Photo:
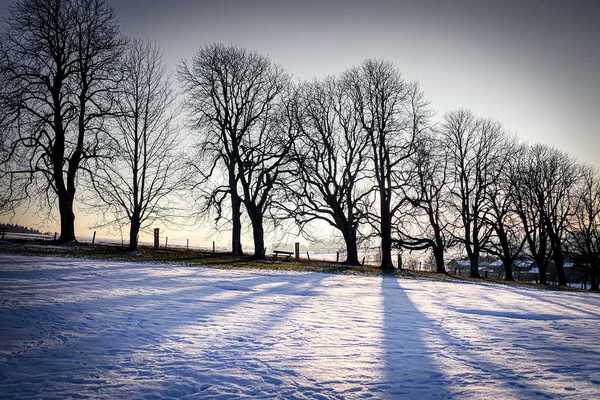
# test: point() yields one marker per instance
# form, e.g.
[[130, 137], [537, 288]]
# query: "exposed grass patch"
[[227, 261], [175, 255]]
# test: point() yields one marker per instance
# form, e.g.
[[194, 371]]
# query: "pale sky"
[[533, 65]]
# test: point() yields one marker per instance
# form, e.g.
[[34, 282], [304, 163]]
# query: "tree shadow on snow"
[[410, 371], [92, 336]]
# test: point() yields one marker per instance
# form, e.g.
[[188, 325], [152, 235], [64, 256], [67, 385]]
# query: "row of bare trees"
[[85, 110], [513, 200], [307, 152], [360, 153]]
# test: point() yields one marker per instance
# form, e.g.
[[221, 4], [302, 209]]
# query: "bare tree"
[[528, 205], [473, 146], [552, 179], [14, 185], [391, 113], [58, 62], [144, 170], [231, 94], [426, 222], [549, 182], [264, 161], [584, 229], [544, 181], [562, 179], [506, 239], [328, 158]]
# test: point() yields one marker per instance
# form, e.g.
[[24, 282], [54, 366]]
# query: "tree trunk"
[[67, 218], [236, 230], [438, 255], [474, 265], [508, 270], [350, 231], [258, 234], [351, 247], [386, 247], [507, 259], [559, 265], [386, 237], [594, 281], [134, 231], [542, 272]]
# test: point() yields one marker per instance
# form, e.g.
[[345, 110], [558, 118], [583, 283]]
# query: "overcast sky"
[[533, 65]]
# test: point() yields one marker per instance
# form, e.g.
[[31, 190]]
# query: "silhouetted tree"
[[4, 227], [473, 146], [426, 222], [559, 178], [506, 239], [546, 181], [58, 61], [263, 161], [328, 160], [233, 96], [529, 204], [391, 113], [144, 168], [584, 229]]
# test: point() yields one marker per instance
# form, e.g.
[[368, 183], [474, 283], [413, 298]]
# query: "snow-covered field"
[[94, 329]]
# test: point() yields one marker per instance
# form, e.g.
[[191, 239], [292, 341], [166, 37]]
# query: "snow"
[[97, 329]]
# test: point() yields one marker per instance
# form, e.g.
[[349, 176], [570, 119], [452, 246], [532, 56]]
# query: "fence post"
[[94, 237], [399, 260], [187, 244], [297, 250], [308, 256], [337, 256], [54, 236], [166, 242], [156, 238], [213, 247]]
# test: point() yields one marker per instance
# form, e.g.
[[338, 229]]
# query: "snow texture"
[[97, 329]]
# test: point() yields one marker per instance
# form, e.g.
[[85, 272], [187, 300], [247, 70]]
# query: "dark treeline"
[[89, 114], [16, 228]]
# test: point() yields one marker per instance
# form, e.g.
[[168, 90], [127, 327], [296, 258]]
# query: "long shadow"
[[488, 372], [537, 338], [239, 364], [411, 364], [124, 274], [193, 292], [125, 281], [120, 344], [410, 371], [518, 315], [151, 364], [572, 353], [531, 293], [63, 269]]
